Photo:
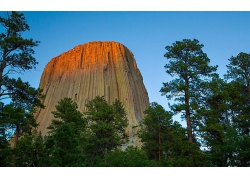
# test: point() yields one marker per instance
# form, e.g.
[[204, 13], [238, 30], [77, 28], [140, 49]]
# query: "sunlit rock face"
[[97, 68]]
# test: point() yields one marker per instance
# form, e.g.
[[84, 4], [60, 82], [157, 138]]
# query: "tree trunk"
[[16, 135], [187, 111], [2, 67], [1, 79], [189, 126], [159, 153]]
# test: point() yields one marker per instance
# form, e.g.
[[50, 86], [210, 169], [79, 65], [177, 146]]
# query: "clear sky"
[[223, 34]]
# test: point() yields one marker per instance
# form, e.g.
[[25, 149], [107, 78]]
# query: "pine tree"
[[238, 74], [225, 116], [16, 54], [30, 151], [105, 129], [67, 113], [165, 141], [63, 148], [17, 119], [190, 65], [155, 131], [65, 141], [215, 117]]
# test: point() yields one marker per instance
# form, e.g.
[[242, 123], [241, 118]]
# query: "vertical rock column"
[[97, 68]]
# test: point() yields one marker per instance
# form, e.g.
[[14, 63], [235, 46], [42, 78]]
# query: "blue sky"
[[223, 34]]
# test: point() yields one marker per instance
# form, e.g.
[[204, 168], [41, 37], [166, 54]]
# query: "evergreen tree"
[[154, 131], [67, 113], [215, 115], [16, 119], [190, 67], [106, 128], [16, 56], [63, 148], [239, 74], [239, 70], [5, 150], [130, 157], [16, 53], [225, 118], [239, 105], [65, 141], [22, 94], [30, 151], [165, 141]]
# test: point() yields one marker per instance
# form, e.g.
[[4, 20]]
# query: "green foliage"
[[239, 68], [130, 157], [190, 67], [239, 74], [155, 130], [106, 127], [5, 150], [16, 51], [165, 141], [64, 141], [30, 151], [225, 116], [64, 148], [67, 113], [16, 56], [16, 118], [75, 140], [239, 124], [22, 93]]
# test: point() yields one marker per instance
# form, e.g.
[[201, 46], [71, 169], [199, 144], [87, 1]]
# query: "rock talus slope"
[[97, 68]]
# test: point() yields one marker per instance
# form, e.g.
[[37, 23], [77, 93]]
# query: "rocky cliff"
[[97, 68]]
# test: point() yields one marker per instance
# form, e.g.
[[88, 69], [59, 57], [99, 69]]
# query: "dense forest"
[[216, 111]]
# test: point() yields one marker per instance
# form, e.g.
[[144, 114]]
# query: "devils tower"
[[106, 69]]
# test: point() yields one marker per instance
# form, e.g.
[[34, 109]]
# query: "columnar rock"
[[97, 68]]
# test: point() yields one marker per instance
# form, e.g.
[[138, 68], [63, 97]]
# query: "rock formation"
[[97, 68]]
